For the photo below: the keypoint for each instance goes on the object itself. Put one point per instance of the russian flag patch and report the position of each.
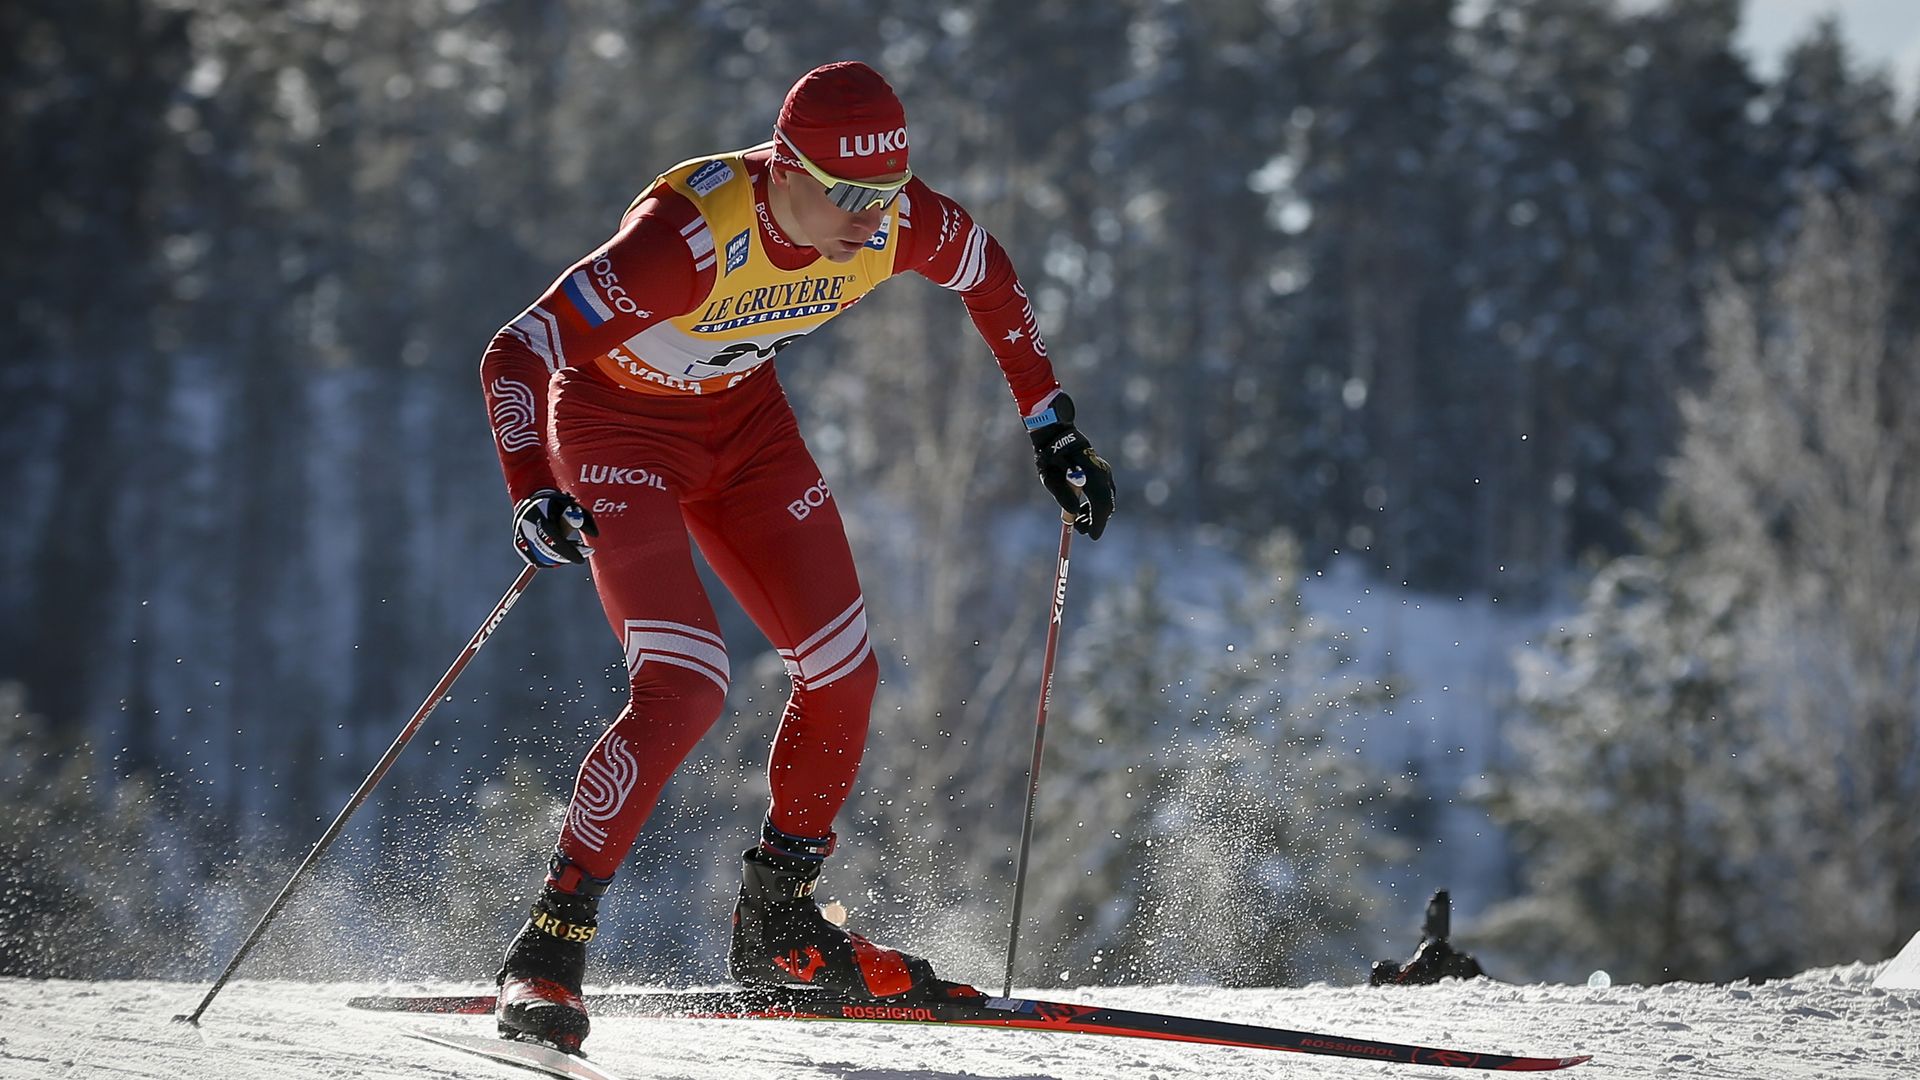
(579, 289)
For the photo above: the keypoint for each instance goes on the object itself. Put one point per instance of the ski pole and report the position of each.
(1039, 741)
(440, 689)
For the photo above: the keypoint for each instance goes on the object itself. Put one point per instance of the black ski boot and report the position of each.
(547, 961)
(1435, 958)
(781, 939)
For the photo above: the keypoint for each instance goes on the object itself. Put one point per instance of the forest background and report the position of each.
(1552, 331)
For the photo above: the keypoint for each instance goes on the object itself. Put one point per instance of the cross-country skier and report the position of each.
(634, 405)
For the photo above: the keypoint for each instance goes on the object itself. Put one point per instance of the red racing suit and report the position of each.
(641, 383)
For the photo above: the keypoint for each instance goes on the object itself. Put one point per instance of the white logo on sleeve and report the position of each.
(513, 415)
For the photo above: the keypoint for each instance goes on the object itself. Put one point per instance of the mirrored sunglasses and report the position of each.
(849, 195)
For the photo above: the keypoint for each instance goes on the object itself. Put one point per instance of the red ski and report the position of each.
(970, 1008)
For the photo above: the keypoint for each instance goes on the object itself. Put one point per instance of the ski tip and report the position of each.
(1547, 1064)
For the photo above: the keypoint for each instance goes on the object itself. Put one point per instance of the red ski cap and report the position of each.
(846, 120)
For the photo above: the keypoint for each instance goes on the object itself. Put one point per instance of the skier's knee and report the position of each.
(851, 687)
(686, 692)
(674, 662)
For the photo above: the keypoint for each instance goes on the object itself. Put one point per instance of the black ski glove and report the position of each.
(1079, 480)
(547, 528)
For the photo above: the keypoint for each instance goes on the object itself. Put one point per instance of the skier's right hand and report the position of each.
(547, 528)
(1079, 480)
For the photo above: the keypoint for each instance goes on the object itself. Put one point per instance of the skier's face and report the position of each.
(816, 222)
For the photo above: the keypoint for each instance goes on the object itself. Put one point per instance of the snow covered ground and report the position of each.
(1826, 1023)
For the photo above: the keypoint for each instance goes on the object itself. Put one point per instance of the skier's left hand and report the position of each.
(1079, 480)
(550, 528)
